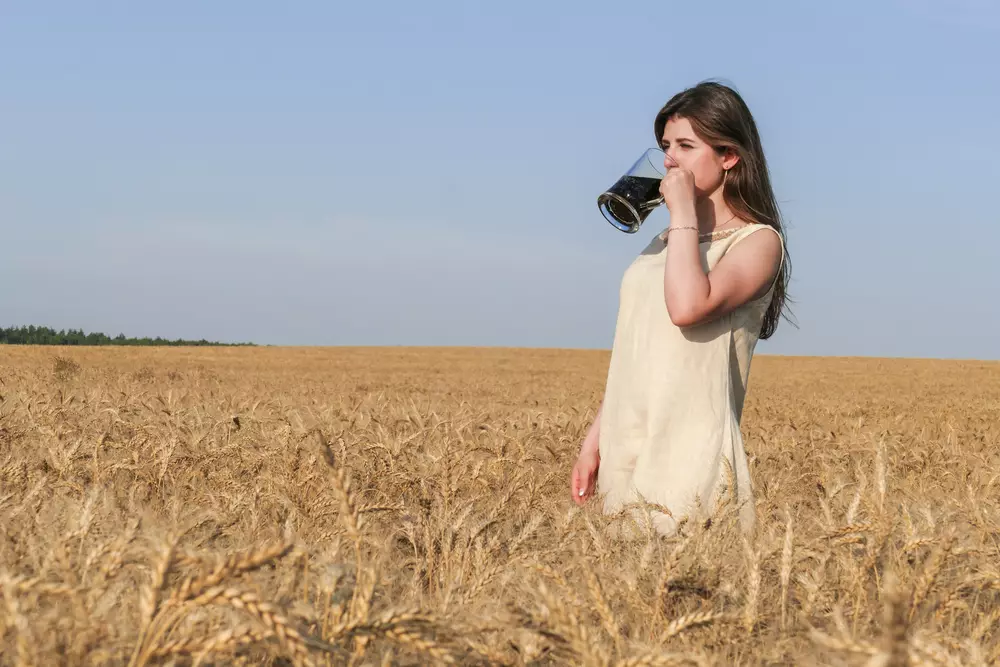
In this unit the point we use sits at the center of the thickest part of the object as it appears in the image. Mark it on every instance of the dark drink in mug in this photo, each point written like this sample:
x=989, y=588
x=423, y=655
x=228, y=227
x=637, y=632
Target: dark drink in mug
x=628, y=202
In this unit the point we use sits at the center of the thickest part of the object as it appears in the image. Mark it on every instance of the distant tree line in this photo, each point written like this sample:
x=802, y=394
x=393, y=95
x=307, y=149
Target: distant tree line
x=33, y=335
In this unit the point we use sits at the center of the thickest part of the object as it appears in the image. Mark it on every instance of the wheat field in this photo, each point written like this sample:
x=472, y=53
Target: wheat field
x=266, y=506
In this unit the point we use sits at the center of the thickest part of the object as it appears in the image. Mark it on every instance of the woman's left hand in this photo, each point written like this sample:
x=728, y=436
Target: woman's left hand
x=677, y=188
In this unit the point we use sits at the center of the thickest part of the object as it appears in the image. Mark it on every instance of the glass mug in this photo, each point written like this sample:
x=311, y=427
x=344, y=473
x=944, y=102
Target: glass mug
x=628, y=202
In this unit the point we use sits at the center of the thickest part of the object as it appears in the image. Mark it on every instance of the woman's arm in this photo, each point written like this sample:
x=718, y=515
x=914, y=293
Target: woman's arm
x=745, y=273
x=584, y=474
x=591, y=441
x=691, y=295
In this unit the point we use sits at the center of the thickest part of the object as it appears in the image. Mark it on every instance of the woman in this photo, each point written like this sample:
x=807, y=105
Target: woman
x=692, y=306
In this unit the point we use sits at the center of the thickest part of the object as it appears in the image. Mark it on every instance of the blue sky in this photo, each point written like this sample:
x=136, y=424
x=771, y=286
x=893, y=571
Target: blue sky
x=319, y=173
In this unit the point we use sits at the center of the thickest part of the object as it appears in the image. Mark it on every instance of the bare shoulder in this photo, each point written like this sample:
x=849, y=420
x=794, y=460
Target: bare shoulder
x=749, y=266
x=760, y=247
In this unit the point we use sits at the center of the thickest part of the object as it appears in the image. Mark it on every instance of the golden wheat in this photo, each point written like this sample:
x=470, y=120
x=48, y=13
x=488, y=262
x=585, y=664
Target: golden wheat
x=411, y=506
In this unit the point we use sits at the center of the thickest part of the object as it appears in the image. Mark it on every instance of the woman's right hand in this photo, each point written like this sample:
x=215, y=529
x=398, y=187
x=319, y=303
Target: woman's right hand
x=584, y=477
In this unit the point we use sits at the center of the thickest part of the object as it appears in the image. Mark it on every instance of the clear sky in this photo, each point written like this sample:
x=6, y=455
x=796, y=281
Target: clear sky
x=426, y=173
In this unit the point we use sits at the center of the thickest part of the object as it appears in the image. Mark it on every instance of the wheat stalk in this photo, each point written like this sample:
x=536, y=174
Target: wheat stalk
x=753, y=587
x=895, y=637
x=226, y=640
x=787, y=553
x=655, y=660
x=929, y=576
x=682, y=623
x=842, y=643
x=232, y=565
x=290, y=638
x=604, y=610
x=18, y=621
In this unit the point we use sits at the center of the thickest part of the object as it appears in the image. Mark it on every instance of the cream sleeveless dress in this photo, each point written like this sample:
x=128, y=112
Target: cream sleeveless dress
x=674, y=396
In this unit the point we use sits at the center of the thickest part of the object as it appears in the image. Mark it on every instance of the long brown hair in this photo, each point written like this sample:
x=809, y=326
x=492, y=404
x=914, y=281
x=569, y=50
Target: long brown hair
x=722, y=119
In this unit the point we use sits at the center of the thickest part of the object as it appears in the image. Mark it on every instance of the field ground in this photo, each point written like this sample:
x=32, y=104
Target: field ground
x=411, y=506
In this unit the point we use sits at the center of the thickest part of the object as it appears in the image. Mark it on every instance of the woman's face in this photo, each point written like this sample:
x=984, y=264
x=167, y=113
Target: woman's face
x=685, y=149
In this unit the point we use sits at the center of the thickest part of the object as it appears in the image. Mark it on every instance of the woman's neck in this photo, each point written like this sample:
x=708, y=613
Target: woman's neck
x=713, y=213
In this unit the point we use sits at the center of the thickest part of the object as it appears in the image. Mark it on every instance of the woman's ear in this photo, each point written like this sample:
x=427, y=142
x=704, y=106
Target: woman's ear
x=729, y=158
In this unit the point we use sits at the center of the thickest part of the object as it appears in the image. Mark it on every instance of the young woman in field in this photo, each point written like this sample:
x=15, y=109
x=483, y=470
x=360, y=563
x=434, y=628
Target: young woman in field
x=692, y=306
